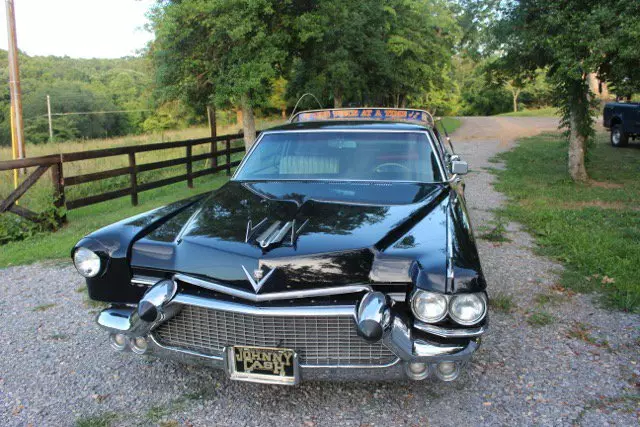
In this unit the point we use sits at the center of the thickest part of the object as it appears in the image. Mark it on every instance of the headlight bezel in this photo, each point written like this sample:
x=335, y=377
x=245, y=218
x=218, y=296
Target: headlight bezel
x=95, y=257
x=417, y=294
x=454, y=298
x=448, y=311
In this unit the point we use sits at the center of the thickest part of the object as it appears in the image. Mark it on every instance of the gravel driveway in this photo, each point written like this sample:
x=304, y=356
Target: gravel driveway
x=56, y=367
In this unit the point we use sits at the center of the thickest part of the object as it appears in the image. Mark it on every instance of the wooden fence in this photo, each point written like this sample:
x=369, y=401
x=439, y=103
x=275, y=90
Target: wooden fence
x=60, y=182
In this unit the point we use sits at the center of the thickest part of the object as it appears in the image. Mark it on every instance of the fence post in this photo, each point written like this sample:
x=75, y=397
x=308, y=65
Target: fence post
x=189, y=167
x=227, y=143
x=211, y=114
x=58, y=190
x=133, y=176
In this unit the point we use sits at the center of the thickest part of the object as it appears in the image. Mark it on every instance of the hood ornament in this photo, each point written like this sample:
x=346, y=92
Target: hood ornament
x=274, y=234
x=261, y=280
x=252, y=229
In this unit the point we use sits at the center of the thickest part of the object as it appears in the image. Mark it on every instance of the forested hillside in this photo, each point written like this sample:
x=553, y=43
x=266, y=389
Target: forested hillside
x=78, y=86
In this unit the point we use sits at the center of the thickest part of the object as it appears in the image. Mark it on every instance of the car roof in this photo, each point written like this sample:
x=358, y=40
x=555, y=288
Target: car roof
x=348, y=125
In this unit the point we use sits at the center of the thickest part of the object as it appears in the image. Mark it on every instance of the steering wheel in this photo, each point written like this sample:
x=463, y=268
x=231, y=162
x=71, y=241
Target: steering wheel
x=379, y=168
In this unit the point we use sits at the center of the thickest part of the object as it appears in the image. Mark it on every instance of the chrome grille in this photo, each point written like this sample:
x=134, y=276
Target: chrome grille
x=316, y=340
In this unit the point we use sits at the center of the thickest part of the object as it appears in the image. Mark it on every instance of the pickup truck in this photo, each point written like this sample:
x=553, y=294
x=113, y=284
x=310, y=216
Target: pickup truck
x=623, y=120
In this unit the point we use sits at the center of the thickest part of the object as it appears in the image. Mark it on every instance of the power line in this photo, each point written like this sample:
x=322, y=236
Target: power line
x=77, y=113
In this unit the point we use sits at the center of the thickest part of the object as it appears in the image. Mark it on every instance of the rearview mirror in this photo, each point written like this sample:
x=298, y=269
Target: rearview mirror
x=459, y=167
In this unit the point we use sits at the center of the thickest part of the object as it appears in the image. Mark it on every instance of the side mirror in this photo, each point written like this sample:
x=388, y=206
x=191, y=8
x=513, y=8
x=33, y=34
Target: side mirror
x=459, y=167
x=453, y=157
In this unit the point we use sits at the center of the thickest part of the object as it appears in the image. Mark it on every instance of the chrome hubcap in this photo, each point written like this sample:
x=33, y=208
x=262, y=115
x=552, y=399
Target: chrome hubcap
x=616, y=137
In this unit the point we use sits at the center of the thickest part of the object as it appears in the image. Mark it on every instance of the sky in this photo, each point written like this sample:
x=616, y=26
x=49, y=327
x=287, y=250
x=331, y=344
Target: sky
x=78, y=28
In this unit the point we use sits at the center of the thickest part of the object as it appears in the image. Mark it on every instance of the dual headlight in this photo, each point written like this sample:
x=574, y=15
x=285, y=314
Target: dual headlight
x=87, y=262
x=464, y=309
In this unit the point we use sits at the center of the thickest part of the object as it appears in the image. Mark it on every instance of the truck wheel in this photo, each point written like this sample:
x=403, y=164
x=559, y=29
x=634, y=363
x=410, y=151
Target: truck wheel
x=618, y=137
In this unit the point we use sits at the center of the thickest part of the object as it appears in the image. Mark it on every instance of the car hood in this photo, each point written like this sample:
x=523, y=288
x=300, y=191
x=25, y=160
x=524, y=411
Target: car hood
x=340, y=229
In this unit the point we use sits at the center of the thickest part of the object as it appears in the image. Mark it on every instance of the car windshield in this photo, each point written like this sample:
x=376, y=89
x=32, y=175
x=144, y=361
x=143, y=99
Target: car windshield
x=347, y=156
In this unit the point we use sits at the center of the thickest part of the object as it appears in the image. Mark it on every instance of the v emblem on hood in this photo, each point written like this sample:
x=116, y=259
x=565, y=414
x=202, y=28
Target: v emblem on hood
x=257, y=285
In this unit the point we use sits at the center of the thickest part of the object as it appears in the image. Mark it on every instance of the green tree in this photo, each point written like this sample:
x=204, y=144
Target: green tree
x=570, y=39
x=225, y=52
x=278, y=98
x=70, y=97
x=396, y=52
x=341, y=50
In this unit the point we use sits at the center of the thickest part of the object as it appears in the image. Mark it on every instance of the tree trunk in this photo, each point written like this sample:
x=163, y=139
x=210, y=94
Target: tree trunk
x=337, y=98
x=577, y=145
x=284, y=113
x=248, y=123
x=239, y=116
x=516, y=94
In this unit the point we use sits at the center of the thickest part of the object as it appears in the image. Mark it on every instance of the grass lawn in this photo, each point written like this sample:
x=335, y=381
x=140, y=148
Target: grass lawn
x=594, y=228
x=538, y=112
x=450, y=123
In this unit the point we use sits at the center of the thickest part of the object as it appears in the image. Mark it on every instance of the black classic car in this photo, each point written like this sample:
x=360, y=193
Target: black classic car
x=340, y=249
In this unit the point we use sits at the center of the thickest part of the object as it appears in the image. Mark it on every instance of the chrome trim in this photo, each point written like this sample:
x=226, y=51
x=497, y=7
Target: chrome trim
x=397, y=296
x=449, y=332
x=277, y=237
x=154, y=307
x=391, y=371
x=115, y=320
x=308, y=293
x=220, y=358
x=317, y=311
x=160, y=294
x=156, y=343
x=398, y=339
x=251, y=229
x=257, y=285
x=296, y=232
x=387, y=365
x=419, y=376
x=450, y=254
x=145, y=280
x=263, y=239
x=186, y=227
x=373, y=316
x=430, y=138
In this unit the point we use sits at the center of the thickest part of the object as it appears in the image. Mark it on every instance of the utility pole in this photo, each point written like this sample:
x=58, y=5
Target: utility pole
x=50, y=121
x=17, y=130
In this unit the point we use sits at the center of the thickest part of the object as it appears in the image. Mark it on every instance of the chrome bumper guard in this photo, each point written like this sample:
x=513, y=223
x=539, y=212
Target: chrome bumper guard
x=373, y=317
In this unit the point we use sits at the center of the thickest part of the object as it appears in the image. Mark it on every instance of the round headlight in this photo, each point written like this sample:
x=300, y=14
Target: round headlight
x=467, y=309
x=428, y=306
x=87, y=262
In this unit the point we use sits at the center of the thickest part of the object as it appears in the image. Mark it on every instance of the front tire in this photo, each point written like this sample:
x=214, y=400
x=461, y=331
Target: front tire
x=618, y=137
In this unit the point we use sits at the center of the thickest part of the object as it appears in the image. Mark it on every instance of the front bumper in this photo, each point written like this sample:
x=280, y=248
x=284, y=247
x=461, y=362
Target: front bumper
x=414, y=353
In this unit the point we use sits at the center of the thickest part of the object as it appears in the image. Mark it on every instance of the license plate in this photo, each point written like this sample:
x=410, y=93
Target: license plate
x=262, y=365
